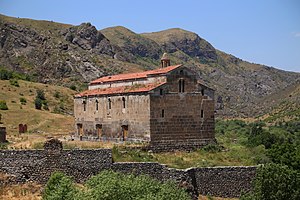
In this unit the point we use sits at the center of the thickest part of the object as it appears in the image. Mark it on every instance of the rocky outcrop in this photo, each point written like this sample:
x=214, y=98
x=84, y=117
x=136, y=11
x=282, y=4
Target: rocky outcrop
x=190, y=43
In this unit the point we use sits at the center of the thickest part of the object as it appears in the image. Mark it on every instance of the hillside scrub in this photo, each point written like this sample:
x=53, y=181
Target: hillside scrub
x=109, y=185
x=6, y=74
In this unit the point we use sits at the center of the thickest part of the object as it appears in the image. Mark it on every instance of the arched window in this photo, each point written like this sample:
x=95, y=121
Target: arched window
x=161, y=91
x=109, y=103
x=123, y=102
x=84, y=105
x=181, y=85
x=202, y=92
x=97, y=104
x=202, y=114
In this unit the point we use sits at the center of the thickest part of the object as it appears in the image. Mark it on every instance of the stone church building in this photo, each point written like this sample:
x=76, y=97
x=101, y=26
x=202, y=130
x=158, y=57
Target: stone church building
x=168, y=106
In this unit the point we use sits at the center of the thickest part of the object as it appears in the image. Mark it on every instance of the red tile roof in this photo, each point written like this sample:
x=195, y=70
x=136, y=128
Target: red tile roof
x=120, y=90
x=139, y=75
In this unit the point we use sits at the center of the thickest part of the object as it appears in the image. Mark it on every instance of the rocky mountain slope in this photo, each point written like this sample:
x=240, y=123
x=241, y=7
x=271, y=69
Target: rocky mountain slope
x=63, y=54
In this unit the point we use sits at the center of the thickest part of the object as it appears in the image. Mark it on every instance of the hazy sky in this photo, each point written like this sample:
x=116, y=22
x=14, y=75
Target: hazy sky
x=259, y=31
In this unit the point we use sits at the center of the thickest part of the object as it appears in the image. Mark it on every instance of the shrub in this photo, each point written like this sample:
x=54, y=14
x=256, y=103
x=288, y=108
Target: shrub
x=14, y=82
x=109, y=185
x=23, y=101
x=45, y=106
x=212, y=148
x=38, y=103
x=59, y=187
x=5, y=74
x=3, y=105
x=57, y=94
x=114, y=186
x=286, y=153
x=40, y=94
x=73, y=87
x=275, y=182
x=40, y=100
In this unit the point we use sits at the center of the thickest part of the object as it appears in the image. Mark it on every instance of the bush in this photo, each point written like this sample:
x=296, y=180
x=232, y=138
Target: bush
x=40, y=94
x=14, y=82
x=23, y=101
x=57, y=94
x=40, y=100
x=109, y=185
x=287, y=154
x=275, y=182
x=73, y=87
x=38, y=103
x=5, y=74
x=3, y=105
x=114, y=186
x=212, y=148
x=59, y=187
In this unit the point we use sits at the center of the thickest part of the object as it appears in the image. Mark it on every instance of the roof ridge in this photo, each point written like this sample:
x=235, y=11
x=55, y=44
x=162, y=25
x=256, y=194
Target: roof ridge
x=128, y=76
x=121, y=89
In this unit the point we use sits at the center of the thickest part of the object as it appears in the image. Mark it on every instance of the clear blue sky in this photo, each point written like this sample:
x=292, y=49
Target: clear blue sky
x=260, y=31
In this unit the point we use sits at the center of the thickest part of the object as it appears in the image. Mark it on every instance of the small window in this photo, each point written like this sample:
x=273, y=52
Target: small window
x=97, y=104
x=162, y=113
x=202, y=92
x=202, y=114
x=181, y=85
x=84, y=105
x=161, y=91
x=124, y=102
x=109, y=103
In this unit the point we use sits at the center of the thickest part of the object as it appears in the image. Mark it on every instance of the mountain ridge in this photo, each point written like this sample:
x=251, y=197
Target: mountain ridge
x=64, y=54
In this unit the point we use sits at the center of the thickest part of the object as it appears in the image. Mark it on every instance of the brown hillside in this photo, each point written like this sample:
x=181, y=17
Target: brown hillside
x=70, y=55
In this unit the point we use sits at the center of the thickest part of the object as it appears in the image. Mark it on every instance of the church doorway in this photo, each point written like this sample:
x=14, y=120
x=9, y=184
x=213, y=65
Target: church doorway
x=99, y=130
x=79, y=130
x=124, y=132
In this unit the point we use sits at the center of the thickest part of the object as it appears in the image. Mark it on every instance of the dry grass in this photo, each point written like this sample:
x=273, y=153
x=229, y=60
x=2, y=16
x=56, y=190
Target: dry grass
x=28, y=191
x=41, y=123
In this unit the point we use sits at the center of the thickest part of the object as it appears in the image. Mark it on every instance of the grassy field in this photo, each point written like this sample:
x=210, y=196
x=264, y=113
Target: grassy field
x=41, y=124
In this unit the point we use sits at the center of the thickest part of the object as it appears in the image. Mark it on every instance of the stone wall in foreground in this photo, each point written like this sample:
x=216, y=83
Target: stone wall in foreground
x=37, y=165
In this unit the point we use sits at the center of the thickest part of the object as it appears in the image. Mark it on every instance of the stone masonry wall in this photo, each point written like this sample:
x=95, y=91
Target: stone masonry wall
x=224, y=181
x=181, y=119
x=135, y=115
x=37, y=165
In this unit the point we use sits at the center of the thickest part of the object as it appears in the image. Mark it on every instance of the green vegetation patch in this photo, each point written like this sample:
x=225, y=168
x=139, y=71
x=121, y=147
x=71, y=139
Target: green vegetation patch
x=109, y=185
x=3, y=105
x=275, y=182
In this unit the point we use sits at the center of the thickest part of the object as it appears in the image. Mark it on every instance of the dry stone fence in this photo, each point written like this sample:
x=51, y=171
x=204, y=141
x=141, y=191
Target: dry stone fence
x=38, y=165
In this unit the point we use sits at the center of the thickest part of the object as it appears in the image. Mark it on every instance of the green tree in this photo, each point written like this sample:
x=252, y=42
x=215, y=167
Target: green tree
x=40, y=94
x=38, y=103
x=40, y=100
x=286, y=154
x=59, y=187
x=275, y=182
